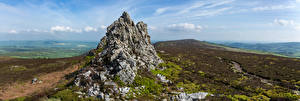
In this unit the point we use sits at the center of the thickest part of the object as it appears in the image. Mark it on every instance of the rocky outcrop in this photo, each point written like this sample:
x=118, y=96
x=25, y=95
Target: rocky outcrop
x=125, y=49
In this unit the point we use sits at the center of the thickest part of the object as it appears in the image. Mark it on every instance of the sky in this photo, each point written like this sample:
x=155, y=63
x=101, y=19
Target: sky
x=207, y=20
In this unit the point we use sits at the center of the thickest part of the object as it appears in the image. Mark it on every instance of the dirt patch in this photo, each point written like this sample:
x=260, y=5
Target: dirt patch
x=49, y=81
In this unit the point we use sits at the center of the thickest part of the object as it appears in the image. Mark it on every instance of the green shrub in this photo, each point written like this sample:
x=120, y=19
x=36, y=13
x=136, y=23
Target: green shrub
x=53, y=99
x=232, y=98
x=259, y=98
x=189, y=87
x=18, y=68
x=118, y=81
x=66, y=95
x=201, y=73
x=187, y=63
x=99, y=50
x=150, y=86
x=19, y=99
x=241, y=97
x=171, y=72
x=280, y=94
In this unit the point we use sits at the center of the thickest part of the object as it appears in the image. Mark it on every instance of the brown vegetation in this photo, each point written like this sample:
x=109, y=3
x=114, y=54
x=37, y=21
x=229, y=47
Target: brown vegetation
x=209, y=68
x=16, y=75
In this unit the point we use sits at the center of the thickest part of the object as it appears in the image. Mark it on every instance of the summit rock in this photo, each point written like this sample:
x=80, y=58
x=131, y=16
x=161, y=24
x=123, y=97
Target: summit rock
x=125, y=49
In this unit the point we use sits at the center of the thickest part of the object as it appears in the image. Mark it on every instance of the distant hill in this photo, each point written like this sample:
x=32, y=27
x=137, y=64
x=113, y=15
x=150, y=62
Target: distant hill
x=210, y=45
x=290, y=49
x=44, y=49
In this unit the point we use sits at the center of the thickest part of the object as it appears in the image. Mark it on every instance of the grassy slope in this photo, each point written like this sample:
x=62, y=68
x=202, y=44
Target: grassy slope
x=210, y=68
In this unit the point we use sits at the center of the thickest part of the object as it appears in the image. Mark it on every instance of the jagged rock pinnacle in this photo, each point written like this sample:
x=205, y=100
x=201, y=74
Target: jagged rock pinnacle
x=126, y=17
x=126, y=48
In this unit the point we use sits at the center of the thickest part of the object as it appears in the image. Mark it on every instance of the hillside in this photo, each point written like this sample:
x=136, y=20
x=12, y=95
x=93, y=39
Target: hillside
x=17, y=75
x=259, y=74
x=126, y=66
x=290, y=49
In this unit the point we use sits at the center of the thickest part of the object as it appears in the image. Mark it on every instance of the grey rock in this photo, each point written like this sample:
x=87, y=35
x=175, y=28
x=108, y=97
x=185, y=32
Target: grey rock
x=80, y=93
x=107, y=97
x=126, y=48
x=94, y=90
x=189, y=97
x=162, y=78
x=40, y=81
x=124, y=90
x=34, y=80
x=110, y=83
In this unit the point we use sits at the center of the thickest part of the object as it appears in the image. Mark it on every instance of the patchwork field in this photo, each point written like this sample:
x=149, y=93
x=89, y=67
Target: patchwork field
x=44, y=49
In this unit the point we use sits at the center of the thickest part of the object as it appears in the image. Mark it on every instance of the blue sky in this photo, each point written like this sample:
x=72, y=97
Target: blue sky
x=210, y=20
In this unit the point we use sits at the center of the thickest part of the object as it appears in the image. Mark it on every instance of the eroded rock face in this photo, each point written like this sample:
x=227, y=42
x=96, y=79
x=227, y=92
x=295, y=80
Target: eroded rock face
x=125, y=49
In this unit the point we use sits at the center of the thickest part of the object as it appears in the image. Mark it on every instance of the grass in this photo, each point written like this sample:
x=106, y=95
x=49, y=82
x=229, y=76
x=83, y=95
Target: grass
x=150, y=86
x=171, y=72
x=18, y=68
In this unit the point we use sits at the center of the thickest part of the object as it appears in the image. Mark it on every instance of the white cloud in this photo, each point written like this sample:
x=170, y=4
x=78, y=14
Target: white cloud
x=297, y=27
x=89, y=29
x=13, y=32
x=210, y=13
x=220, y=3
x=283, y=22
x=152, y=28
x=275, y=7
x=185, y=27
x=64, y=29
x=287, y=23
x=161, y=10
x=35, y=30
x=102, y=27
x=297, y=1
x=191, y=7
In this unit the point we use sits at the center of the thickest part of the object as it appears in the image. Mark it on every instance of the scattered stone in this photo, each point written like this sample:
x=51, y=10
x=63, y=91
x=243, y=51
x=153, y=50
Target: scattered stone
x=80, y=93
x=34, y=80
x=107, y=97
x=124, y=90
x=163, y=78
x=189, y=97
x=164, y=100
x=110, y=83
x=296, y=92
